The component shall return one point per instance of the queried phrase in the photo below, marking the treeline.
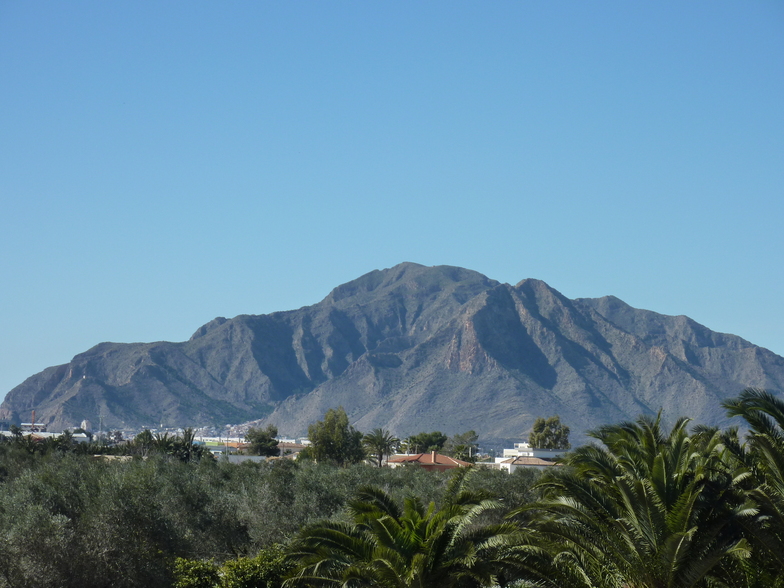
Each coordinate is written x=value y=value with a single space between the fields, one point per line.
x=333 y=440
x=145 y=444
x=68 y=519
x=645 y=506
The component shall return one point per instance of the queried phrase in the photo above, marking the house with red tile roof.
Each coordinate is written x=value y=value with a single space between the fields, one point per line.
x=433 y=461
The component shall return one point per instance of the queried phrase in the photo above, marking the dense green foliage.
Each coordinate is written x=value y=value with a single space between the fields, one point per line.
x=181 y=447
x=195 y=573
x=68 y=519
x=549 y=433
x=262 y=441
x=334 y=440
x=267 y=569
x=462 y=446
x=379 y=443
x=647 y=506
x=424 y=442
x=762 y=458
x=408 y=545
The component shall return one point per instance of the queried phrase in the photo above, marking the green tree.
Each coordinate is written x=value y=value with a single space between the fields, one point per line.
x=549 y=434
x=424 y=442
x=334 y=440
x=185 y=448
x=194 y=573
x=163 y=443
x=762 y=458
x=396 y=546
x=143 y=443
x=265 y=570
x=462 y=446
x=65 y=442
x=262 y=441
x=647 y=509
x=379 y=443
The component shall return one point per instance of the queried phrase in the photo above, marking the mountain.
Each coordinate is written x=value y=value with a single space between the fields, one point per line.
x=411 y=349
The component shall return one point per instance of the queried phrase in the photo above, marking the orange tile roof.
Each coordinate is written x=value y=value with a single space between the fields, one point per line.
x=431 y=458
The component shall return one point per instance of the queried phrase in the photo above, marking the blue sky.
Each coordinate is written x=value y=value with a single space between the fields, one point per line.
x=163 y=163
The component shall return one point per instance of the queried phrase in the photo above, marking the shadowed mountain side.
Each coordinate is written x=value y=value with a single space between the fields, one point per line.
x=412 y=348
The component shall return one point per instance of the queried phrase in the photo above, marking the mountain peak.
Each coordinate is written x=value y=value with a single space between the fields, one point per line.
x=409 y=276
x=413 y=348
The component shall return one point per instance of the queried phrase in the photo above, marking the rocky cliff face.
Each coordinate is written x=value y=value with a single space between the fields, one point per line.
x=413 y=348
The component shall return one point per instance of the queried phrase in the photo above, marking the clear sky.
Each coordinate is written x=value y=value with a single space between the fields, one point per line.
x=163 y=163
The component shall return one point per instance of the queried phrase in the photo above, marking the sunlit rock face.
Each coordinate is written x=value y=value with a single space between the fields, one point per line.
x=412 y=349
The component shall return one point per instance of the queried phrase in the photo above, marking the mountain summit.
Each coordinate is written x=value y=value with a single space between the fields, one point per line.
x=412 y=348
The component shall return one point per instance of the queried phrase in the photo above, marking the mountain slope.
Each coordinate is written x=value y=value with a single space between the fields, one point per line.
x=413 y=348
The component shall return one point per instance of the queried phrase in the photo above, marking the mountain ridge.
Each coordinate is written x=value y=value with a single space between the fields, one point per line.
x=412 y=348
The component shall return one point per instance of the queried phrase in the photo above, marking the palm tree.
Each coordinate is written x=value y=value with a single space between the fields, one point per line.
x=380 y=443
x=163 y=443
x=646 y=510
x=412 y=546
x=185 y=448
x=143 y=442
x=763 y=458
x=65 y=442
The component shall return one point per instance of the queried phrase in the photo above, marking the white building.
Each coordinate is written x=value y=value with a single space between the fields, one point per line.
x=525 y=450
x=523 y=455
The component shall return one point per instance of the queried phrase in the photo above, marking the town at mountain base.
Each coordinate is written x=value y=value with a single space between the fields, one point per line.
x=410 y=349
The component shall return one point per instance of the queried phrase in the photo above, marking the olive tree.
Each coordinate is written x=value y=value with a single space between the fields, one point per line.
x=549 y=434
x=334 y=440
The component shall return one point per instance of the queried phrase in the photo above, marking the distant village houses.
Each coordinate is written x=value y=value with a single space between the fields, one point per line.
x=432 y=461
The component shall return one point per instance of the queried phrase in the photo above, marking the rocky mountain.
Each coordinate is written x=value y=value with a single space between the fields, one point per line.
x=412 y=349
